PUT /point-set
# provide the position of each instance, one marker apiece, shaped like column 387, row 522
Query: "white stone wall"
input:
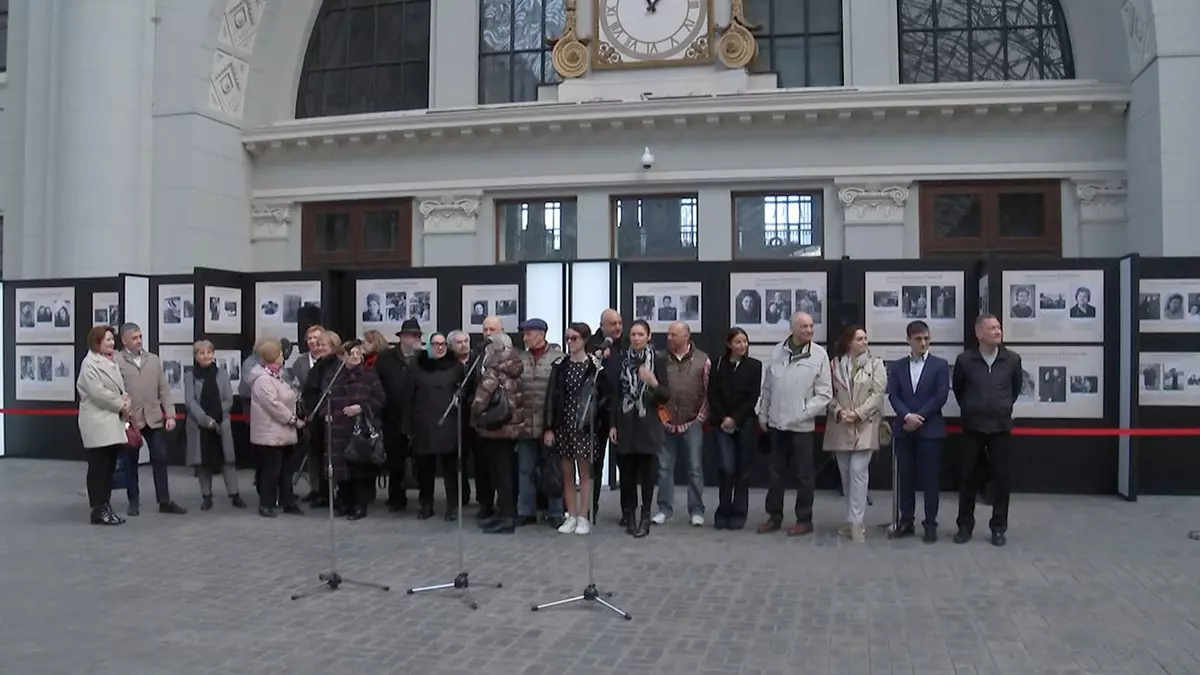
column 167, row 167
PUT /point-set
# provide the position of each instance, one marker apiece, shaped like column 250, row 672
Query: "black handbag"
column 366, row 444
column 498, row 411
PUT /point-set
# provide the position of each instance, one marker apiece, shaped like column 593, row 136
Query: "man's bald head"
column 611, row 324
column 802, row 328
column 492, row 325
column 679, row 336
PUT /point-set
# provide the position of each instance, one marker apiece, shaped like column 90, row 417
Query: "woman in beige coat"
column 852, row 425
column 102, row 405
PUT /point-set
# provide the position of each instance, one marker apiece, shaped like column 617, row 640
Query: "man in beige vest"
column 688, row 369
column 152, row 411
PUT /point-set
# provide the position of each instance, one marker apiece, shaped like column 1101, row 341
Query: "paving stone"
column 208, row 593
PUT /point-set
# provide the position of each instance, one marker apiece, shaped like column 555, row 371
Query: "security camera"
column 647, row 159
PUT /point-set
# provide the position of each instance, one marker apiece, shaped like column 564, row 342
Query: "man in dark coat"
column 392, row 366
column 612, row 329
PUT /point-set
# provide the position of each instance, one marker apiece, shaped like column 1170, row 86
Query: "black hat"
column 410, row 326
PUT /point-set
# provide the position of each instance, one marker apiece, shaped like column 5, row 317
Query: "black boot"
column 237, row 501
column 266, row 512
column 643, row 528
column 113, row 514
column 426, row 512
column 206, row 503
column 501, row 526
column 103, row 515
column 630, row 523
column 451, row 515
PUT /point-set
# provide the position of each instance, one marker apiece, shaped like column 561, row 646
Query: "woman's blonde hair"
column 269, row 351
column 335, row 340
column 202, row 345
column 374, row 342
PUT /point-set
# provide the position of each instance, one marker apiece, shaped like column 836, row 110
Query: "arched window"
column 983, row 40
column 800, row 40
column 366, row 56
column 514, row 58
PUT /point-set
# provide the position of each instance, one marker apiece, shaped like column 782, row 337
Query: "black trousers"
column 396, row 445
column 598, row 463
column 501, row 457
column 101, row 462
column 637, row 471
column 485, row 492
column 276, row 464
column 980, row 452
column 735, row 459
column 356, row 492
column 918, row 461
column 796, row 448
column 426, row 467
column 313, row 441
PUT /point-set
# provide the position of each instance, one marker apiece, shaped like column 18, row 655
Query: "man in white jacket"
column 797, row 387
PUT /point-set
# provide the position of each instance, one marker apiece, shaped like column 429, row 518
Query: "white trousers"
column 855, row 468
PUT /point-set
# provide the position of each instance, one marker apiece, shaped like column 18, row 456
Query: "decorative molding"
column 570, row 54
column 240, row 23
column 271, row 221
column 737, row 48
column 450, row 215
column 227, row 84
column 1102, row 201
column 873, row 204
column 1138, row 16
column 1079, row 101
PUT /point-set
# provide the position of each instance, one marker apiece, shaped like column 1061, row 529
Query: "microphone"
column 608, row 342
column 286, row 347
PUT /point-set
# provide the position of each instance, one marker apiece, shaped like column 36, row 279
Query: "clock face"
column 652, row 31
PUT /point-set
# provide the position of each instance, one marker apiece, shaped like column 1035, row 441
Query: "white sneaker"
column 659, row 518
column 582, row 526
column 569, row 525
column 697, row 520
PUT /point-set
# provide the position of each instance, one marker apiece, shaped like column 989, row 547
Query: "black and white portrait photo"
column 1193, row 303
column 374, row 309
column 291, row 307
column 173, row 371
column 26, row 317
column 1085, row 384
column 1174, row 378
column 114, row 315
column 1052, row 384
column 667, row 311
column 214, row 308
column 1151, row 376
column 45, row 368
column 231, row 309
column 172, row 311
column 479, row 312
column 914, row 301
column 665, row 302
column 644, row 306
column 1022, row 301
column 62, row 314
column 45, row 314
column 100, row 316
column 808, row 300
column 1028, row 386
column 1149, row 306
column 269, row 308
column 189, row 309
column 943, row 302
column 748, row 308
column 779, row 306
column 885, row 299
column 419, row 303
column 1083, row 307
column 28, row 371
column 506, row 308
column 397, row 306
column 1173, row 309
column 1050, row 300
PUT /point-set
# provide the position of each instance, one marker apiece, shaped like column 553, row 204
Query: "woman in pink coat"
column 273, row 426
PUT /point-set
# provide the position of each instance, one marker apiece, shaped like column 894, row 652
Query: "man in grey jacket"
column 797, row 387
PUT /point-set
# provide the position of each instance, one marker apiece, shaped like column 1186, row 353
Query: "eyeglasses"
column 574, row 338
column 439, row 344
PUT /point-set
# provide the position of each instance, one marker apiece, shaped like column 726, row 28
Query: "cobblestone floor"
column 1087, row 585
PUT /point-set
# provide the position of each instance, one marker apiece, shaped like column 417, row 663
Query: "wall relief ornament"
column 227, row 84
column 737, row 47
column 1102, row 201
column 1138, row 16
column 873, row 204
column 450, row 215
column 271, row 222
column 240, row 23
column 570, row 53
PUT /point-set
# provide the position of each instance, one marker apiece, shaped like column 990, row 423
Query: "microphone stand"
column 590, row 592
column 462, row 582
column 890, row 529
column 331, row 580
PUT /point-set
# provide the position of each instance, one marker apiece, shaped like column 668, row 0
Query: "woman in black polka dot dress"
column 572, row 398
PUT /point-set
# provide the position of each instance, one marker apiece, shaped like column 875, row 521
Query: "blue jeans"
column 918, row 461
column 691, row 443
column 156, row 442
column 735, row 460
column 537, row 467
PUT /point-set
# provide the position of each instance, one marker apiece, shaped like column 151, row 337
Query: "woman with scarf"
column 572, row 399
column 355, row 392
column 434, row 376
column 852, row 425
column 208, row 398
column 319, row 376
column 637, row 424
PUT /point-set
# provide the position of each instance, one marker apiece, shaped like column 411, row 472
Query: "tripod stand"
column 462, row 582
column 590, row 592
column 331, row 580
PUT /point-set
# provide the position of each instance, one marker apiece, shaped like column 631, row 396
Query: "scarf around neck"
column 210, row 391
column 632, row 386
column 846, row 367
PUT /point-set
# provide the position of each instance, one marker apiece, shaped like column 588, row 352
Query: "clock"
column 639, row 33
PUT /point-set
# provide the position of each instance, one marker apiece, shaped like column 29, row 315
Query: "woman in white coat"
column 852, row 425
column 102, row 406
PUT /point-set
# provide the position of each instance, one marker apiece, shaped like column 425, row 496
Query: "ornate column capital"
column 1102, row 201
column 873, row 204
column 449, row 214
column 1140, row 36
column 271, row 221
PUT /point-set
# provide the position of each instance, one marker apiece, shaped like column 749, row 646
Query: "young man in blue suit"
column 917, row 389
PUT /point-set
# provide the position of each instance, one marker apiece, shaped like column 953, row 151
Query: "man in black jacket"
column 392, row 368
column 986, row 381
column 611, row 328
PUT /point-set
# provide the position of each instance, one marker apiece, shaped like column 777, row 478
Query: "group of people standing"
column 536, row 422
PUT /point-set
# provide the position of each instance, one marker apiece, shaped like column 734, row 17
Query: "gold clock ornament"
column 737, row 47
column 644, row 33
column 570, row 54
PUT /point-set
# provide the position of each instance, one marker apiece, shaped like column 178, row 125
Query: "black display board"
column 1165, row 464
column 39, row 428
column 1064, row 463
